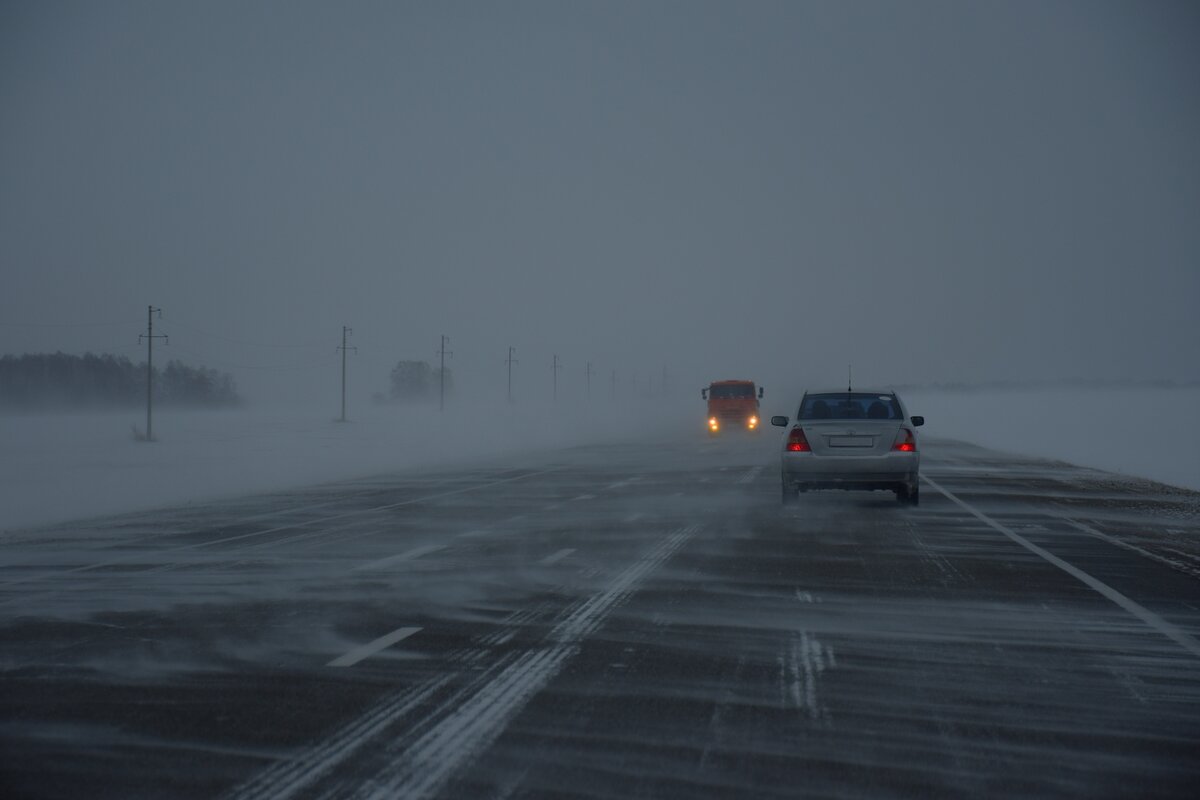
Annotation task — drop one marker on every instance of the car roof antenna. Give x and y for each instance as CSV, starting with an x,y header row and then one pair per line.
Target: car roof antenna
x,y
849,378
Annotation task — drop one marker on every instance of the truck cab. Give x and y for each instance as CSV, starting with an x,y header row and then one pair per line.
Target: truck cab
x,y
732,406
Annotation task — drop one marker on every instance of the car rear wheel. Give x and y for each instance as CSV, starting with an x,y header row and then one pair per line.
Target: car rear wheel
x,y
909,494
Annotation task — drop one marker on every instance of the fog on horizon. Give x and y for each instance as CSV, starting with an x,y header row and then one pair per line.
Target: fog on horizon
x,y
932,192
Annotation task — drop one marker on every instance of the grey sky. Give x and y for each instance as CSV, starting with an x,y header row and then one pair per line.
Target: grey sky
x,y
933,191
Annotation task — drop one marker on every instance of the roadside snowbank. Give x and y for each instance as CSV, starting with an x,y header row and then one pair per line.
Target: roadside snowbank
x,y
1147,433
57,467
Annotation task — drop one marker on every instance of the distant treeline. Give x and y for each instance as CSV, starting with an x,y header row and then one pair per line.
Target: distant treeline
x,y
416,381
59,380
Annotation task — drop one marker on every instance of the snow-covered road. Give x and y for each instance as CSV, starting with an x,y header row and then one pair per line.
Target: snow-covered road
x,y
638,619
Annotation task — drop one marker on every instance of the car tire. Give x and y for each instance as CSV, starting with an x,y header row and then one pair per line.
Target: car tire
x,y
914,494
901,493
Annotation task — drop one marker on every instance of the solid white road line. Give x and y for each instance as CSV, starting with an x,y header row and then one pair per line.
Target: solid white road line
x,y
473,533
559,556
1144,614
409,555
1171,562
371,648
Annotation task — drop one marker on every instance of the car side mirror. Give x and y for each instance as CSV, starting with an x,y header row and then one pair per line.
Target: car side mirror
x,y
917,421
760,391
704,394
779,422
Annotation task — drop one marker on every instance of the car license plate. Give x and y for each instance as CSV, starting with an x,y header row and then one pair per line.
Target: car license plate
x,y
851,441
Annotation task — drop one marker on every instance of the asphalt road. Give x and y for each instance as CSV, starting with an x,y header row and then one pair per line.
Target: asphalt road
x,y
639,619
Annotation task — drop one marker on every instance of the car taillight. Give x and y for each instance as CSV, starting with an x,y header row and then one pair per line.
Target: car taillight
x,y
797,442
712,423
905,441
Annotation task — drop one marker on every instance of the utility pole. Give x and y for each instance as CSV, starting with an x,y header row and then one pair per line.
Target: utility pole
x,y
510,361
344,348
149,336
588,372
556,367
443,352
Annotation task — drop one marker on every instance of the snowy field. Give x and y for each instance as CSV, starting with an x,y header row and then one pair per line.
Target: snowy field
x,y
65,466
56,467
1146,433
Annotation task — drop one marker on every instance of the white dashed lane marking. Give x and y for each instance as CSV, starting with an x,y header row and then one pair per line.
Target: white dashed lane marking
x,y
556,557
750,475
371,648
408,555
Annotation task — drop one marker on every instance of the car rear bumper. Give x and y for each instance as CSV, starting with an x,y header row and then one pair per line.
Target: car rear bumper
x,y
850,472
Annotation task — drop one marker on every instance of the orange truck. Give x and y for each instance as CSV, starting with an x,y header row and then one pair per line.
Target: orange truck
x,y
732,405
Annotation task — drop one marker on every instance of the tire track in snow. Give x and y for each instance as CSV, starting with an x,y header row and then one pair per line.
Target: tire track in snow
x,y
423,767
459,728
286,778
289,777
800,671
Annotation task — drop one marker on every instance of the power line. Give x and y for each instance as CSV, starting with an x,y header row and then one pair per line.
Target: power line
x,y
63,324
321,363
231,340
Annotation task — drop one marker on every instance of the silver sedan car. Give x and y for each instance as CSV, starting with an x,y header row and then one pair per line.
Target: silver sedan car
x,y
858,439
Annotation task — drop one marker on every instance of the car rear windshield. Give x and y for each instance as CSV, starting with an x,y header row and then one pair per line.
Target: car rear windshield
x,y
737,390
849,405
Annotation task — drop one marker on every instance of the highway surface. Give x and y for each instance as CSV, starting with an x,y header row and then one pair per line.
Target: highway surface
x,y
635,619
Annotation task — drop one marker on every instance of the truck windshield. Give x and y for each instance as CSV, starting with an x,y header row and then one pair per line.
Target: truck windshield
x,y
843,405
740,390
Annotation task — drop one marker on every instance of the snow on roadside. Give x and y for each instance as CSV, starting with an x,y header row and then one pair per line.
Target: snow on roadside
x,y
1141,432
59,467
